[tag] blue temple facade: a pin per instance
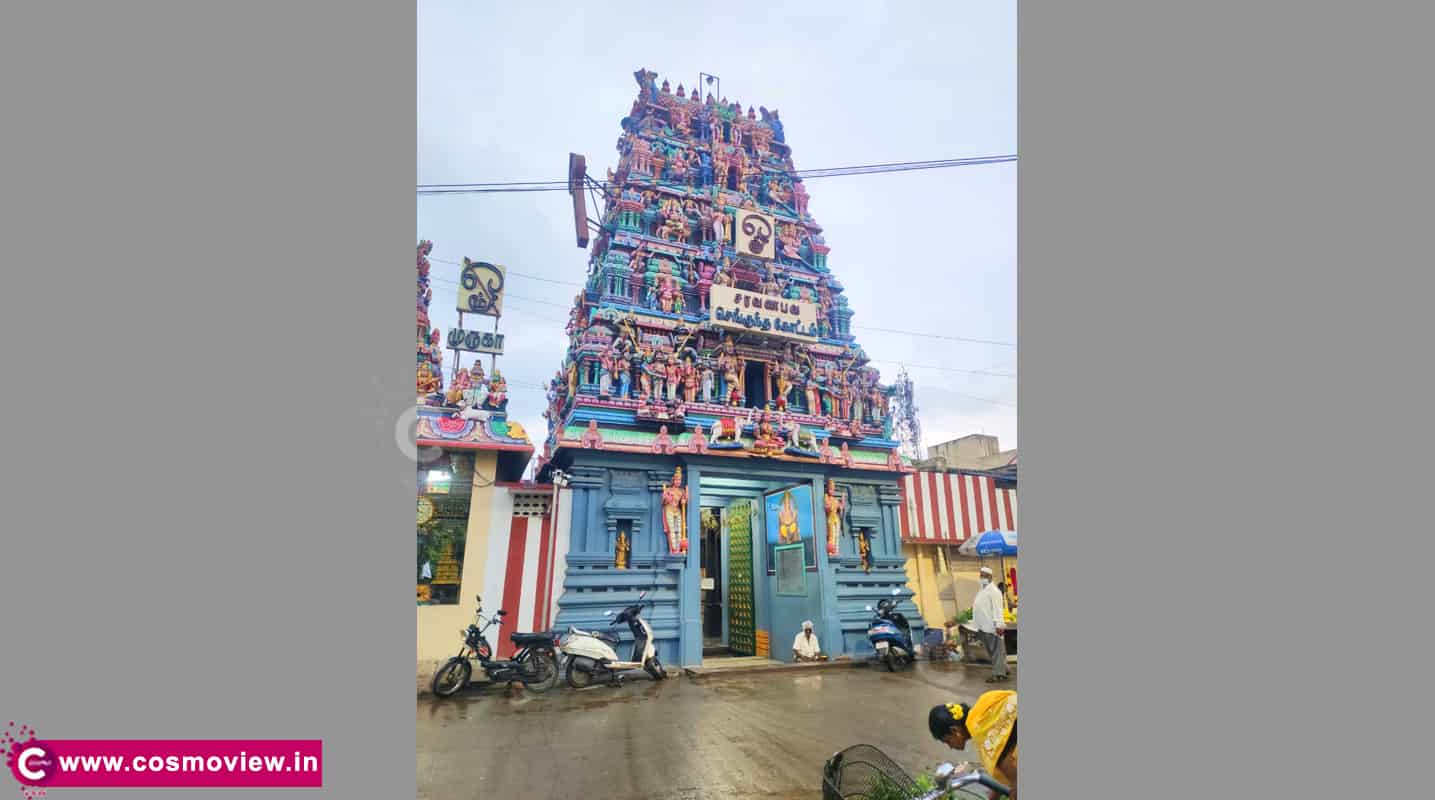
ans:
(725, 439)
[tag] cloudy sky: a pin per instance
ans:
(506, 91)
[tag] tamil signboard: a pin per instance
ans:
(742, 310)
(754, 234)
(475, 341)
(480, 288)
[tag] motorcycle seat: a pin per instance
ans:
(603, 636)
(531, 638)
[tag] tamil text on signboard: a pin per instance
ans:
(475, 341)
(749, 311)
(480, 288)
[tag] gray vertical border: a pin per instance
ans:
(208, 237)
(1221, 422)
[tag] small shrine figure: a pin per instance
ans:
(625, 376)
(675, 513)
(800, 198)
(462, 384)
(497, 392)
(846, 456)
(834, 504)
(707, 384)
(699, 442)
(766, 440)
(428, 383)
(690, 382)
(605, 372)
(664, 443)
(592, 437)
(620, 560)
(864, 548)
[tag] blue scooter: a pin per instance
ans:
(891, 634)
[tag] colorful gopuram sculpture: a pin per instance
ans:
(709, 303)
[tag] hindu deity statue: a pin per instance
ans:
(624, 365)
(643, 364)
(462, 383)
(864, 547)
(765, 437)
(606, 369)
(787, 528)
(620, 560)
(707, 380)
(811, 390)
(690, 381)
(668, 295)
(675, 513)
(855, 398)
(478, 386)
(497, 392)
(428, 382)
(785, 373)
(834, 504)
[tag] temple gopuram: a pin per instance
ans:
(726, 441)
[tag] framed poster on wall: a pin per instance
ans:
(789, 523)
(791, 569)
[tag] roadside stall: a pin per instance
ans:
(1000, 545)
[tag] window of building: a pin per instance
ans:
(445, 489)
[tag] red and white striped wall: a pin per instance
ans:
(953, 506)
(525, 564)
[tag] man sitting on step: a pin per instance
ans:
(805, 647)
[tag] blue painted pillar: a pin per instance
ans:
(689, 584)
(830, 628)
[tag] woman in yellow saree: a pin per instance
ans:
(990, 722)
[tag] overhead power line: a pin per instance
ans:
(829, 172)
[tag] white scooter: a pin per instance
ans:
(591, 655)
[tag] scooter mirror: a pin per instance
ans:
(608, 613)
(869, 608)
(896, 592)
(642, 594)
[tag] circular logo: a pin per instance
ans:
(33, 763)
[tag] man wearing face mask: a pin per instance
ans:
(989, 618)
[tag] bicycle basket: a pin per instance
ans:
(861, 772)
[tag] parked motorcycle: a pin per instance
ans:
(592, 655)
(535, 665)
(891, 634)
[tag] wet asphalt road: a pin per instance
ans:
(763, 735)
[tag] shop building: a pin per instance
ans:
(480, 530)
(942, 509)
(725, 441)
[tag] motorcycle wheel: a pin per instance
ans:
(545, 672)
(654, 667)
(451, 677)
(577, 678)
(891, 661)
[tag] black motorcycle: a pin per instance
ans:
(535, 665)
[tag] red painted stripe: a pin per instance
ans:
(981, 512)
(512, 584)
(906, 524)
(936, 532)
(1006, 502)
(540, 597)
(951, 511)
(922, 530)
(966, 516)
(992, 499)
